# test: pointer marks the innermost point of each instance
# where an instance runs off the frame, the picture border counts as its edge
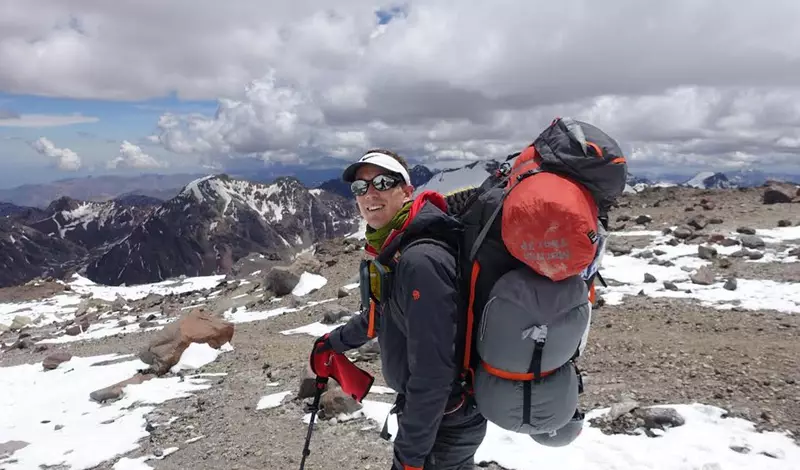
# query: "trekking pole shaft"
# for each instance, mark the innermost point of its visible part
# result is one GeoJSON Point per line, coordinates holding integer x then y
{"type": "Point", "coordinates": [320, 385]}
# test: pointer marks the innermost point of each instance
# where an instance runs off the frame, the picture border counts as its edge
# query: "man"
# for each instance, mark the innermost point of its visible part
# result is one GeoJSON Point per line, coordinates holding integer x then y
{"type": "Point", "coordinates": [439, 428]}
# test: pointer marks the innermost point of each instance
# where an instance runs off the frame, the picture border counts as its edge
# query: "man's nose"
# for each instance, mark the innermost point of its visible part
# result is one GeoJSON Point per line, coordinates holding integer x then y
{"type": "Point", "coordinates": [371, 189]}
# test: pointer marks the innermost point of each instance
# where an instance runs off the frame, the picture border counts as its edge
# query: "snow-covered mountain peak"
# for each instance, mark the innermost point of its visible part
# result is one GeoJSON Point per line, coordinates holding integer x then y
{"type": "Point", "coordinates": [709, 180]}
{"type": "Point", "coordinates": [271, 201]}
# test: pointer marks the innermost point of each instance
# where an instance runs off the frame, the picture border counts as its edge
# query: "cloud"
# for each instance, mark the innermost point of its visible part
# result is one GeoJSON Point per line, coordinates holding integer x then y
{"type": "Point", "coordinates": [8, 114]}
{"type": "Point", "coordinates": [11, 119]}
{"type": "Point", "coordinates": [438, 81]}
{"type": "Point", "coordinates": [67, 160]}
{"type": "Point", "coordinates": [132, 156]}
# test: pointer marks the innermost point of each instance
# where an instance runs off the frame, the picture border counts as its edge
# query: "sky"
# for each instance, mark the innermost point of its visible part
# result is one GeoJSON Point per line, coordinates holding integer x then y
{"type": "Point", "coordinates": [127, 87]}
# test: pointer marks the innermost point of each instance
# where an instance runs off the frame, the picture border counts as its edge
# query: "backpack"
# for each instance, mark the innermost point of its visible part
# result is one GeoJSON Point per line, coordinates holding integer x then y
{"type": "Point", "coordinates": [534, 235]}
{"type": "Point", "coordinates": [533, 238]}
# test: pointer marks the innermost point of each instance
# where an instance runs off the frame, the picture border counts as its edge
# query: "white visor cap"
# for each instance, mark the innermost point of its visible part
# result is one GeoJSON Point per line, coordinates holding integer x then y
{"type": "Point", "coordinates": [378, 159]}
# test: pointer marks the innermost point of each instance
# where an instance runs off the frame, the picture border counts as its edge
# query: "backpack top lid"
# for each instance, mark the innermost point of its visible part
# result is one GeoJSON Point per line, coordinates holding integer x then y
{"type": "Point", "coordinates": [586, 154]}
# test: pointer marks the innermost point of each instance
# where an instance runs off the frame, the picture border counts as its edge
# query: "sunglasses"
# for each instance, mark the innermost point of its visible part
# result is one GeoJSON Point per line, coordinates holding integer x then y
{"type": "Point", "coordinates": [382, 182]}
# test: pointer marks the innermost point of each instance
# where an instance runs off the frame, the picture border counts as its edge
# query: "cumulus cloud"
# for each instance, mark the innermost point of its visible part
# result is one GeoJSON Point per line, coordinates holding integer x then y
{"type": "Point", "coordinates": [132, 156]}
{"type": "Point", "coordinates": [677, 83]}
{"type": "Point", "coordinates": [66, 159]}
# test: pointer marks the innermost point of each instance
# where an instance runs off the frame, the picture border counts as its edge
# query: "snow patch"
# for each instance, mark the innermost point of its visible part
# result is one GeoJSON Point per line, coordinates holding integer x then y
{"type": "Point", "coordinates": [308, 283]}
{"type": "Point", "coordinates": [315, 329]}
{"type": "Point", "coordinates": [273, 400]}
{"type": "Point", "coordinates": [35, 402]}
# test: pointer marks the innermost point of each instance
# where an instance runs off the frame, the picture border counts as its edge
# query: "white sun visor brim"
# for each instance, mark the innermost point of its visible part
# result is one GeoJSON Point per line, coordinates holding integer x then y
{"type": "Point", "coordinates": [378, 159]}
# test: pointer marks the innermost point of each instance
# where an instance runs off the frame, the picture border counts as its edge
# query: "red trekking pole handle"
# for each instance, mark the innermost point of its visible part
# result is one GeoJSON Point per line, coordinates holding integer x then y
{"type": "Point", "coordinates": [319, 384]}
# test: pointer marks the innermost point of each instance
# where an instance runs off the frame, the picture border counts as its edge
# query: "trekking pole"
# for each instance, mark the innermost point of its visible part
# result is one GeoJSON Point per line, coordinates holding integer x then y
{"type": "Point", "coordinates": [319, 385]}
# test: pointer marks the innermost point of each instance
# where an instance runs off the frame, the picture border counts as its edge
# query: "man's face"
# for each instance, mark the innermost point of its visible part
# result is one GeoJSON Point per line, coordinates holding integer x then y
{"type": "Point", "coordinates": [378, 207]}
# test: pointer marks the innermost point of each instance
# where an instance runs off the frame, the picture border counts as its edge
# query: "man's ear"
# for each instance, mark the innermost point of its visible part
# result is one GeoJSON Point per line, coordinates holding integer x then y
{"type": "Point", "coordinates": [408, 190]}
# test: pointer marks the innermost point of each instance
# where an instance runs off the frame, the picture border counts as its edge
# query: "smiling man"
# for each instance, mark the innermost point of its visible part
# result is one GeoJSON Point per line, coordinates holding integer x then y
{"type": "Point", "coordinates": [413, 309]}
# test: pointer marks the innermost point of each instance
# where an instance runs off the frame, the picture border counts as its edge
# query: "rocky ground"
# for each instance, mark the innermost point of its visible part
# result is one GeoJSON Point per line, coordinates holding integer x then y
{"type": "Point", "coordinates": [647, 350]}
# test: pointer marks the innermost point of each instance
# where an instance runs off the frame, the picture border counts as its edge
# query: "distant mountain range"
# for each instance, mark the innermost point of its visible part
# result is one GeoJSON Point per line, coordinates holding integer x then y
{"type": "Point", "coordinates": [717, 180]}
{"type": "Point", "coordinates": [209, 225]}
{"type": "Point", "coordinates": [117, 235]}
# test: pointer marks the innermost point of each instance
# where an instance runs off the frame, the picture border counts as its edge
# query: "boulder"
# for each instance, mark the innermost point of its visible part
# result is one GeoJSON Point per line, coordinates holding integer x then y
{"type": "Point", "coordinates": [726, 242]}
{"type": "Point", "coordinates": [706, 252]}
{"type": "Point", "coordinates": [335, 402]}
{"type": "Point", "coordinates": [368, 352]}
{"type": "Point", "coordinates": [334, 313]}
{"type": "Point", "coordinates": [78, 327]}
{"type": "Point", "coordinates": [703, 277]}
{"type": "Point", "coordinates": [114, 392]}
{"type": "Point", "coordinates": [308, 383]}
{"type": "Point", "coordinates": [779, 194]}
{"type": "Point", "coordinates": [629, 417]}
{"type": "Point", "coordinates": [53, 360]}
{"type": "Point", "coordinates": [619, 247]}
{"type": "Point", "coordinates": [697, 222]}
{"type": "Point", "coordinates": [197, 326]}
{"type": "Point", "coordinates": [306, 262]}
{"type": "Point", "coordinates": [683, 233]}
{"type": "Point", "coordinates": [19, 322]}
{"type": "Point", "coordinates": [281, 280]}
{"type": "Point", "coordinates": [669, 285]}
{"type": "Point", "coordinates": [752, 241]}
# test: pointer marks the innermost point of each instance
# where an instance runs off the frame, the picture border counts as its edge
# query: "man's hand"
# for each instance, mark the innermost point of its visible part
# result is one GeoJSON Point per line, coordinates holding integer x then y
{"type": "Point", "coordinates": [322, 344]}
{"type": "Point", "coordinates": [320, 354]}
{"type": "Point", "coordinates": [326, 362]}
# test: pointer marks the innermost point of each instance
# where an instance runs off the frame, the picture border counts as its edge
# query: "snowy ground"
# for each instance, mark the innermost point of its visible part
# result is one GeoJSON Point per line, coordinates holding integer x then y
{"type": "Point", "coordinates": [50, 411]}
{"type": "Point", "coordinates": [750, 294]}
{"type": "Point", "coordinates": [704, 442]}
{"type": "Point", "coordinates": [51, 417]}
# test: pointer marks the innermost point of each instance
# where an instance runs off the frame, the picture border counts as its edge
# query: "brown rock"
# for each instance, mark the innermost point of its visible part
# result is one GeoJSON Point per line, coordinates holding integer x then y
{"type": "Point", "coordinates": [683, 232]}
{"type": "Point", "coordinates": [752, 241]}
{"type": "Point", "coordinates": [78, 328]}
{"type": "Point", "coordinates": [281, 280]}
{"type": "Point", "coordinates": [198, 326]}
{"type": "Point", "coordinates": [335, 402]}
{"type": "Point", "coordinates": [334, 313]}
{"type": "Point", "coordinates": [697, 222]}
{"type": "Point", "coordinates": [307, 384]}
{"type": "Point", "coordinates": [114, 392]}
{"type": "Point", "coordinates": [716, 238]}
{"type": "Point", "coordinates": [53, 360]}
{"type": "Point", "coordinates": [703, 277]}
{"type": "Point", "coordinates": [706, 252]}
{"type": "Point", "coordinates": [778, 194]}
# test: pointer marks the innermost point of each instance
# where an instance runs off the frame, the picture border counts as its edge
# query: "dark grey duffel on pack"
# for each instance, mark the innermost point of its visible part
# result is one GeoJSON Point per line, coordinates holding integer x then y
{"type": "Point", "coordinates": [531, 329]}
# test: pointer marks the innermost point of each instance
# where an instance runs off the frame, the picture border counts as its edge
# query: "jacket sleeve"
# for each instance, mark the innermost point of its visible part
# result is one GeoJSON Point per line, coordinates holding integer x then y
{"type": "Point", "coordinates": [355, 333]}
{"type": "Point", "coordinates": [427, 295]}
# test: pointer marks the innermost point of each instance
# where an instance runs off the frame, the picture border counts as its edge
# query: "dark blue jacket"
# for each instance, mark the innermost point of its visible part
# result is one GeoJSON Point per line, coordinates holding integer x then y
{"type": "Point", "coordinates": [416, 329]}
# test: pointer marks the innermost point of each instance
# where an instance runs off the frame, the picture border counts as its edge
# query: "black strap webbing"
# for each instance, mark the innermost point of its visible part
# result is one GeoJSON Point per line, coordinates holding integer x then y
{"type": "Point", "coordinates": [526, 401]}
{"type": "Point", "coordinates": [536, 360]}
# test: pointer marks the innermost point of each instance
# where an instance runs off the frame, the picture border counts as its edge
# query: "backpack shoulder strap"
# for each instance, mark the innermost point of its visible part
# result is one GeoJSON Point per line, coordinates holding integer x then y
{"type": "Point", "coordinates": [433, 241]}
